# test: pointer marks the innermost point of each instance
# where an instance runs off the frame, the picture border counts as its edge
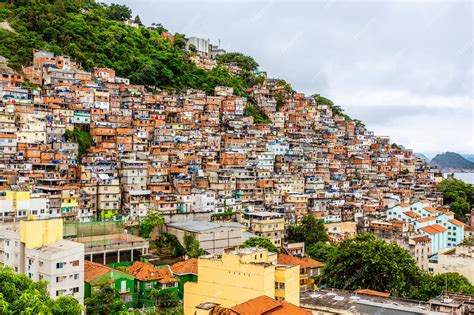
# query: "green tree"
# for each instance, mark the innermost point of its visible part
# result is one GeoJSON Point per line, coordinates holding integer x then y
{"type": "Point", "coordinates": [81, 137]}
{"type": "Point", "coordinates": [370, 263]}
{"type": "Point", "coordinates": [244, 62]}
{"type": "Point", "coordinates": [148, 223]}
{"type": "Point", "coordinates": [21, 295]}
{"type": "Point", "coordinates": [434, 285]}
{"type": "Point", "coordinates": [192, 247]}
{"type": "Point", "coordinates": [165, 298]}
{"type": "Point", "coordinates": [105, 301]}
{"type": "Point", "coordinates": [138, 20]}
{"type": "Point", "coordinates": [458, 195]}
{"type": "Point", "coordinates": [260, 242]}
{"type": "Point", "coordinates": [169, 246]}
{"type": "Point", "coordinates": [259, 117]}
{"type": "Point", "coordinates": [310, 231]}
{"type": "Point", "coordinates": [66, 305]}
{"type": "Point", "coordinates": [320, 250]}
{"type": "Point", "coordinates": [118, 12]}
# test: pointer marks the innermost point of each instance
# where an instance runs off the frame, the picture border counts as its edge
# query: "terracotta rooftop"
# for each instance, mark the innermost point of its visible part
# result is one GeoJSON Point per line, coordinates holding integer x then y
{"type": "Point", "coordinates": [456, 222]}
{"type": "Point", "coordinates": [421, 239]}
{"type": "Point", "coordinates": [146, 272]}
{"type": "Point", "coordinates": [185, 267]}
{"type": "Point", "coordinates": [305, 262]}
{"type": "Point", "coordinates": [94, 270]}
{"type": "Point", "coordinates": [372, 292]}
{"type": "Point", "coordinates": [433, 229]}
{"type": "Point", "coordinates": [430, 209]}
{"type": "Point", "coordinates": [411, 214]}
{"type": "Point", "coordinates": [268, 306]}
{"type": "Point", "coordinates": [431, 218]}
{"type": "Point", "coordinates": [405, 205]}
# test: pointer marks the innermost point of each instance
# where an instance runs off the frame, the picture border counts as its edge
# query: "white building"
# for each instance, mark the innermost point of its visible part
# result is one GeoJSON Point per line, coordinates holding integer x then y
{"type": "Point", "coordinates": [201, 44]}
{"type": "Point", "coordinates": [459, 259]}
{"type": "Point", "coordinates": [213, 237]}
{"type": "Point", "coordinates": [36, 248]}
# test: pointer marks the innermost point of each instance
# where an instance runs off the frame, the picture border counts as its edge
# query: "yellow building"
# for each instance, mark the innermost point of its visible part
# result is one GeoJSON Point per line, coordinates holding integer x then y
{"type": "Point", "coordinates": [37, 233]}
{"type": "Point", "coordinates": [233, 278]}
{"type": "Point", "coordinates": [264, 224]}
{"type": "Point", "coordinates": [21, 204]}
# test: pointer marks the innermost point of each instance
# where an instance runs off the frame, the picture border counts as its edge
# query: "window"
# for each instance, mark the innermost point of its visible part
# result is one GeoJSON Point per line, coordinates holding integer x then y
{"type": "Point", "coordinates": [76, 276]}
{"type": "Point", "coordinates": [75, 290]}
{"type": "Point", "coordinates": [149, 285]}
{"type": "Point", "coordinates": [75, 263]}
{"type": "Point", "coordinates": [59, 265]}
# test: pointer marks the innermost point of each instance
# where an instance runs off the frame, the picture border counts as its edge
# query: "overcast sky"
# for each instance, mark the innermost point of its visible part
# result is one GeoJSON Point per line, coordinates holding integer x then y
{"type": "Point", "coordinates": [405, 68]}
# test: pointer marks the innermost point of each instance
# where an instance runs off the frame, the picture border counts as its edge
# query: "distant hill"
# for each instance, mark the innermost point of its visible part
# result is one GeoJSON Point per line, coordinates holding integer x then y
{"type": "Point", "coordinates": [422, 156]}
{"type": "Point", "coordinates": [451, 160]}
{"type": "Point", "coordinates": [469, 157]}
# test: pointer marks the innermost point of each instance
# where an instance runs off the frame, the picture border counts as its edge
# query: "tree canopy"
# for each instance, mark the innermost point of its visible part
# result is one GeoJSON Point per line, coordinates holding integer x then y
{"type": "Point", "coordinates": [105, 301]}
{"type": "Point", "coordinates": [148, 223]}
{"type": "Point", "coordinates": [192, 247]}
{"type": "Point", "coordinates": [458, 195]}
{"type": "Point", "coordinates": [310, 231]}
{"type": "Point", "coordinates": [320, 250]}
{"type": "Point", "coordinates": [241, 60]}
{"type": "Point", "coordinates": [260, 242]}
{"type": "Point", "coordinates": [370, 263]}
{"type": "Point", "coordinates": [21, 295]}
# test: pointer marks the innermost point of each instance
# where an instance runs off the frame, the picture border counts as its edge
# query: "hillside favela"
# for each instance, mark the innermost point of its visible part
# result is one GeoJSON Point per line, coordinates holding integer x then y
{"type": "Point", "coordinates": [147, 171]}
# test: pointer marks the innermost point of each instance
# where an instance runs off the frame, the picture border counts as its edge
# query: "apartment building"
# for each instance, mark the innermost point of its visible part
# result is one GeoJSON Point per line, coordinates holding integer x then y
{"type": "Point", "coordinates": [37, 249]}
{"type": "Point", "coordinates": [239, 276]}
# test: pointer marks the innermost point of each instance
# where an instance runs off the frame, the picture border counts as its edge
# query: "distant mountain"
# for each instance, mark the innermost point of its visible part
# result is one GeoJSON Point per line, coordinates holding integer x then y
{"type": "Point", "coordinates": [422, 156]}
{"type": "Point", "coordinates": [451, 160]}
{"type": "Point", "coordinates": [469, 157]}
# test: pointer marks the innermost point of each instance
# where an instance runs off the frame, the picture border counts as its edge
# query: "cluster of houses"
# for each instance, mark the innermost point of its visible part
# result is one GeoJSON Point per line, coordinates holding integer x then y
{"type": "Point", "coordinates": [85, 146]}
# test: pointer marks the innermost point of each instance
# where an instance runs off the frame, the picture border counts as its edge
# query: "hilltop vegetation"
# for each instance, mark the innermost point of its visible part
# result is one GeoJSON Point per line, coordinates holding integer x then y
{"type": "Point", "coordinates": [94, 34]}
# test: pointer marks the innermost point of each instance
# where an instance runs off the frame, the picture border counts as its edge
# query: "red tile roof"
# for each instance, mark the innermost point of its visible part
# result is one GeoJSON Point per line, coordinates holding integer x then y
{"type": "Point", "coordinates": [421, 220]}
{"type": "Point", "coordinates": [421, 239]}
{"type": "Point", "coordinates": [268, 306]}
{"type": "Point", "coordinates": [185, 267]}
{"type": "Point", "coordinates": [305, 262]}
{"type": "Point", "coordinates": [456, 222]}
{"type": "Point", "coordinates": [431, 209]}
{"type": "Point", "coordinates": [433, 229]}
{"type": "Point", "coordinates": [411, 214]}
{"type": "Point", "coordinates": [404, 205]}
{"type": "Point", "coordinates": [372, 292]}
{"type": "Point", "coordinates": [94, 270]}
{"type": "Point", "coordinates": [146, 272]}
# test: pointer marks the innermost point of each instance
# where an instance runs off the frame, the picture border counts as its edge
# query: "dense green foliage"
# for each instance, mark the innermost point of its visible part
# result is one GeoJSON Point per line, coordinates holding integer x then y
{"type": "Point", "coordinates": [310, 231]}
{"type": "Point", "coordinates": [458, 195]}
{"type": "Point", "coordinates": [169, 246]}
{"type": "Point", "coordinates": [260, 242]}
{"type": "Point", "coordinates": [94, 35]}
{"type": "Point", "coordinates": [81, 137]}
{"type": "Point", "coordinates": [165, 298]}
{"type": "Point", "coordinates": [105, 301]}
{"type": "Point", "coordinates": [21, 295]}
{"type": "Point", "coordinates": [259, 117]}
{"type": "Point", "coordinates": [320, 251]}
{"type": "Point", "coordinates": [191, 245]}
{"type": "Point", "coordinates": [148, 223]}
{"type": "Point", "coordinates": [370, 263]}
{"type": "Point", "coordinates": [241, 60]}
